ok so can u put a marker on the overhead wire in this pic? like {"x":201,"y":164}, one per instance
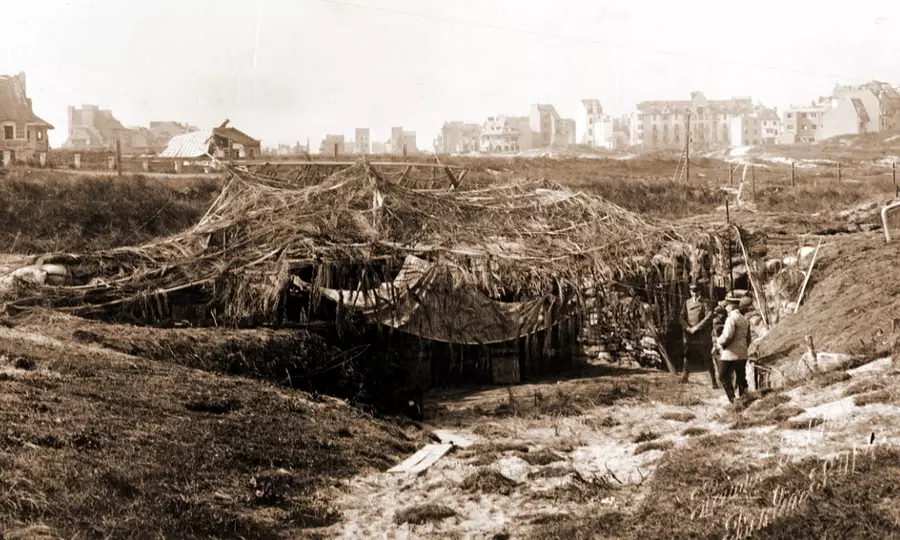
{"x":592,"y":41}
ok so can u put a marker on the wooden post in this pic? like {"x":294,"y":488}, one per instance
{"x":77,"y":159}
{"x":806,"y":278}
{"x":813,"y":355}
{"x":840,"y":171}
{"x":894,"y":177}
{"x":727,"y":212}
{"x":687,"y":152}
{"x":793,"y":177}
{"x":753,"y":181}
{"x":334,"y":151}
{"x":119,"y":158}
{"x":730,"y":175}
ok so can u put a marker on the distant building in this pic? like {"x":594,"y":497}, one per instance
{"x":548,"y":129}
{"x":458,"y":138}
{"x":801,"y":123}
{"x":160,"y":133}
{"x":868,"y":108}
{"x":363,"y":143}
{"x":396,"y":140}
{"x":380,"y":148}
{"x":24,"y":133}
{"x":330,"y":142}
{"x":223,"y":142}
{"x":599,"y":128}
{"x":663,"y":124}
{"x":770,"y":125}
{"x":91,"y":127}
{"x":506,"y":134}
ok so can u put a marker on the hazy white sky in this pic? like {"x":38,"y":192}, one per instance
{"x":285,"y":70}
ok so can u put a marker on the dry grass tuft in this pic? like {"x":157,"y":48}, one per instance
{"x":555,"y":471}
{"x":694,"y":432}
{"x":678,"y":416}
{"x":544,"y":456}
{"x":426,"y":513}
{"x":806,"y":423}
{"x":863,"y":387}
{"x":830,"y":378}
{"x":645,"y":436}
{"x":579,"y":489}
{"x":653,"y":445}
{"x":770,"y":402}
{"x":878,"y":396}
{"x":488,"y":481}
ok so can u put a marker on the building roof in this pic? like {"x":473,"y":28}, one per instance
{"x":235,"y":135}
{"x":731,"y":106}
{"x":860,"y":110}
{"x":189,"y":145}
{"x":14,"y":103}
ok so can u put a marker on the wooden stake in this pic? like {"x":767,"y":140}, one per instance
{"x":808,"y":273}
{"x":840,"y":171}
{"x":894,"y":177}
{"x":793,"y":177}
{"x":119,"y":158}
{"x":813,"y":355}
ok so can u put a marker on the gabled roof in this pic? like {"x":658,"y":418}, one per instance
{"x":235,"y":135}
{"x":14,"y":104}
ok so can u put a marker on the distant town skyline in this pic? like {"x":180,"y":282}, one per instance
{"x":288,"y":70}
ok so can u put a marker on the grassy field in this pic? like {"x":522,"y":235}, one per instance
{"x":47,"y":211}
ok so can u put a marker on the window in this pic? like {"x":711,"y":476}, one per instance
{"x":40,"y":135}
{"x":9,"y":132}
{"x":790,"y":115}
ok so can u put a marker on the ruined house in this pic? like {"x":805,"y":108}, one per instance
{"x":24,"y":133}
{"x":223,"y":142}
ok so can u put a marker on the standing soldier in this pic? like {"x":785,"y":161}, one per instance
{"x":695,"y":317}
{"x":733,"y":345}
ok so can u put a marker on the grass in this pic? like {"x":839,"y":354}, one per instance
{"x":425,"y":513}
{"x":653,"y":445}
{"x":806,"y":423}
{"x":830,"y":378}
{"x":646,"y":436}
{"x":678,"y":416}
{"x":50,"y":211}
{"x":544,"y":456}
{"x":770,"y":402}
{"x":863,"y":387}
{"x":878,"y":396}
{"x":488,"y":481}
{"x":101,"y":445}
{"x":694,"y":431}
{"x":555,"y":471}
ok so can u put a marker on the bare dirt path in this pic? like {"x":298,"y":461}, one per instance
{"x":588,"y":446}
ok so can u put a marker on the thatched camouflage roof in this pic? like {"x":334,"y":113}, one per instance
{"x":526,"y":239}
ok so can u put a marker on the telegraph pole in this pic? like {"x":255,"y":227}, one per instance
{"x":687,"y":151}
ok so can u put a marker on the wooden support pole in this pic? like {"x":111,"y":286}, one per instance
{"x":730,"y":175}
{"x":119,"y":158}
{"x":808,"y":273}
{"x":727,"y":212}
{"x":840,"y":171}
{"x":894,"y":177}
{"x":793,"y":176}
{"x":687,"y":152}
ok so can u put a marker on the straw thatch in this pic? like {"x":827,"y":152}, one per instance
{"x":525,"y":240}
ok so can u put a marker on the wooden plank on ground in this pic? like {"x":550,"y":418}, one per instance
{"x":421,"y":460}
{"x":448,"y":437}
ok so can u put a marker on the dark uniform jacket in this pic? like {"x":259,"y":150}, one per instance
{"x":692,"y":313}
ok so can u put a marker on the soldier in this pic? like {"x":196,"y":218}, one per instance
{"x":695,"y":318}
{"x":733,"y":346}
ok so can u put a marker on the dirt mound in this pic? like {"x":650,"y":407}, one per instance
{"x":850,"y":303}
{"x":101,"y":444}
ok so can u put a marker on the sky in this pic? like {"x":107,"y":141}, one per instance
{"x":287,"y":70}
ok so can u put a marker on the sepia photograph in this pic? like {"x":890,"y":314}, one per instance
{"x":433,"y":269}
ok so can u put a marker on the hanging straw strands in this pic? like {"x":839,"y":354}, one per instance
{"x":528,"y":238}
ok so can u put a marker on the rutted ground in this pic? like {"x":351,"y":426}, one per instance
{"x":587,"y":448}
